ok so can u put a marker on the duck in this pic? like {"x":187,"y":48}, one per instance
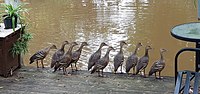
{"x":119,"y":58}
{"x":76,"y":54}
{"x":95,"y":56}
{"x":102,"y":63}
{"x":58,"y":54}
{"x":65,"y":60}
{"x":40,"y":55}
{"x":132,"y":60}
{"x":143,"y":61}
{"x":158,"y":65}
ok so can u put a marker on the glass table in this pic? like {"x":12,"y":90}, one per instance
{"x":189,"y":32}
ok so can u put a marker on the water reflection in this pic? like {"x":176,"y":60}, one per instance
{"x":110,"y":21}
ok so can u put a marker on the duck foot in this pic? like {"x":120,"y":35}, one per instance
{"x":159,"y":78}
{"x":102,"y":76}
{"x":133,"y":74}
{"x":144,"y":76}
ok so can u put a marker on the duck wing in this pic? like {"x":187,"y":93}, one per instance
{"x":56,"y":57}
{"x":38,"y":56}
{"x":75,"y":55}
{"x":118,"y":60}
{"x":157,"y":66}
{"x":131,"y":62}
{"x":142,"y":63}
{"x":101,"y":64}
{"x":93,"y":59}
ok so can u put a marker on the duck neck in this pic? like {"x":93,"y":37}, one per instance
{"x":107,"y":54}
{"x":100,"y":48}
{"x":70,"y":49}
{"x":121,"y":50}
{"x":135,"y":52}
{"x":47,"y":49}
{"x":80,"y":48}
{"x":63,"y":47}
{"x":146,"y":52}
{"x":161,"y":56}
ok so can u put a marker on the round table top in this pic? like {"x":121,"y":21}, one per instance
{"x":187,"y":32}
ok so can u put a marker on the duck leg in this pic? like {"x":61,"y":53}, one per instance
{"x":144,"y":73}
{"x":133,"y":70}
{"x":63,"y":70}
{"x":72,"y":67}
{"x":159,"y":75}
{"x":37,"y":63}
{"x":99,"y":74}
{"x":42,"y":63}
{"x":76,"y":67}
{"x":155,"y":75}
{"x":102,"y":73}
{"x":121,"y":69}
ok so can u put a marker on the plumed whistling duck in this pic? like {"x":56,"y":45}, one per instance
{"x":40,"y":55}
{"x":119,"y":58}
{"x":102,"y":63}
{"x":95,"y":56}
{"x":158,"y":65}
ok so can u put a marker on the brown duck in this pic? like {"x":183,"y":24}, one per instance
{"x":159,"y":65}
{"x":143,"y":61}
{"x":102,"y":63}
{"x":132,"y":60}
{"x":58,"y":54}
{"x":65,"y":60}
{"x":76,"y":54}
{"x":95,"y":56}
{"x":40,"y":55}
{"x":119,"y":58}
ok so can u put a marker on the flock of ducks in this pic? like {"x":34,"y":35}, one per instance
{"x":62,"y":60}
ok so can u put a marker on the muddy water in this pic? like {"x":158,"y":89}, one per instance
{"x":110,"y":21}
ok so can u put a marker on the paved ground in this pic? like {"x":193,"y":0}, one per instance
{"x":29,"y":80}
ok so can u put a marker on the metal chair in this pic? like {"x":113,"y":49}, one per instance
{"x":180,"y":87}
{"x":190,"y":75}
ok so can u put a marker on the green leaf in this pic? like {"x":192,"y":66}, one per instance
{"x":13,"y":23}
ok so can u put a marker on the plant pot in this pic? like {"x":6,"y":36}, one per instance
{"x":8,"y":22}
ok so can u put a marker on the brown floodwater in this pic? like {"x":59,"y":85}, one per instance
{"x":110,"y":21}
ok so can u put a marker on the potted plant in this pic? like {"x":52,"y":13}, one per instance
{"x":11,"y":14}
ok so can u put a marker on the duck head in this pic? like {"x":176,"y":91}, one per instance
{"x":65,"y":42}
{"x":122,"y":43}
{"x":149,"y":47}
{"x":110,"y":48}
{"x":162,"y":50}
{"x":53,"y":47}
{"x":103,"y":44}
{"x":139,"y":44}
{"x":84,"y":44}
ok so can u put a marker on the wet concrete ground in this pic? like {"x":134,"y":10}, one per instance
{"x":29,"y":80}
